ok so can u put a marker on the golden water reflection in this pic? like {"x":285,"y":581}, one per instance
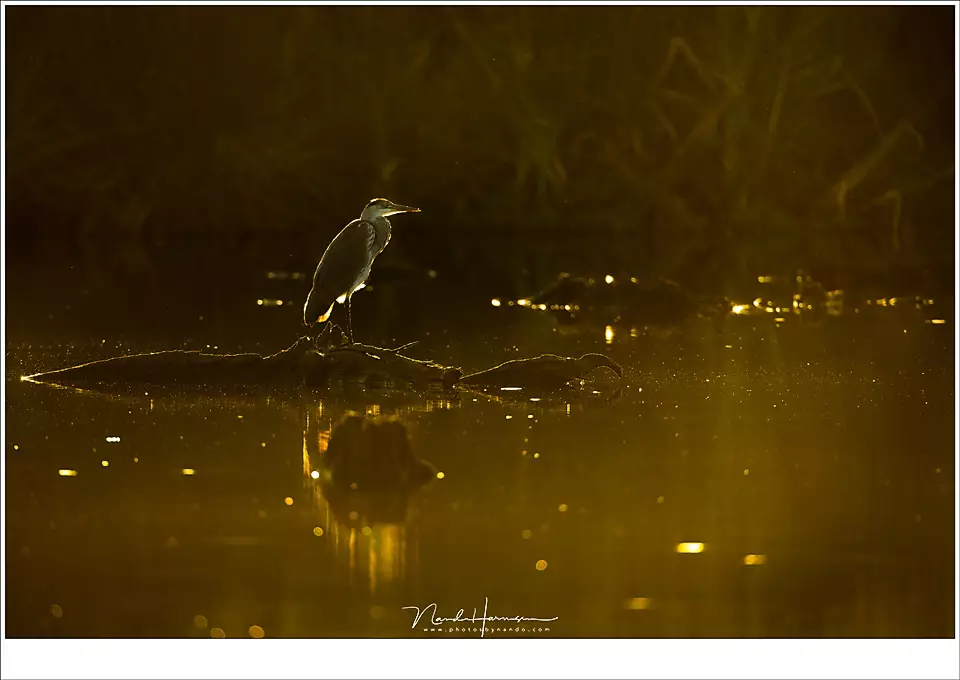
{"x":367,"y":530}
{"x":745,"y":483}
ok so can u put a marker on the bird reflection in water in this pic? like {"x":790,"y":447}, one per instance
{"x":363,"y":473}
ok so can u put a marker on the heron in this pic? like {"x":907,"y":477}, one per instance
{"x":346,"y":263}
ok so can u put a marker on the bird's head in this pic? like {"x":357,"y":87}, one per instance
{"x":382,"y":207}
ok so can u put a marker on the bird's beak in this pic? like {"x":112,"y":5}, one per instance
{"x":402,"y":209}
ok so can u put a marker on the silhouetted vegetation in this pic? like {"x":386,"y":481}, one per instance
{"x":679,"y":141}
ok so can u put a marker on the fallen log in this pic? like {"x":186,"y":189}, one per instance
{"x":300,"y":364}
{"x":308,"y":363}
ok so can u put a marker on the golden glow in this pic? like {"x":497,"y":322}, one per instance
{"x":769,"y":310}
{"x":562,"y":507}
{"x":780,"y":319}
{"x":57,"y":611}
{"x":740,"y":309}
{"x":508,"y":416}
{"x":366,"y":531}
{"x":314,"y":474}
{"x":765,"y":279}
{"x":541,"y":565}
{"x":288,"y":500}
{"x":637,"y":603}
{"x":256,"y":632}
{"x":526,"y":533}
{"x":753,"y":560}
{"x":317,"y":531}
{"x":690,"y":548}
{"x":67,"y":473}
{"x":608,"y":278}
{"x":746,"y":472}
{"x":105,"y":463}
{"x":353,"y":515}
{"x":113,"y":440}
{"x":608,"y":334}
{"x":188,"y":471}
{"x":938,"y":322}
{"x":495,"y":302}
{"x":16,"y":448}
{"x":758,"y":303}
{"x":440,"y":475}
{"x":200,"y":621}
{"x":510,"y":389}
{"x":217,"y":633}
{"x":536,"y":455}
{"x":342,"y":298}
{"x":352,"y":551}
{"x":523,"y":302}
{"x":372,"y":565}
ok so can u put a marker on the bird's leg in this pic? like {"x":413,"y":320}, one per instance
{"x":349,"y":320}
{"x":322,"y":339}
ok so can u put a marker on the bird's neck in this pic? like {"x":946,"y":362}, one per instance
{"x":382,"y":229}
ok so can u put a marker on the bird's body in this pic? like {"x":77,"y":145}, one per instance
{"x":353,"y":250}
{"x":346,"y":263}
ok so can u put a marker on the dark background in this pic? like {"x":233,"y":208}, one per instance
{"x":705,"y":144}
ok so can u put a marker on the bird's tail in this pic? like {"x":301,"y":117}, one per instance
{"x":326,"y":315}
{"x":311,"y":311}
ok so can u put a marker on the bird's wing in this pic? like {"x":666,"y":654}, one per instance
{"x":339,"y":268}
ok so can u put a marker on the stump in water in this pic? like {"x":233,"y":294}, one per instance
{"x":378,"y":365}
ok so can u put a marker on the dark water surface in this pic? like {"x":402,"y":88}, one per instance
{"x":746,"y":478}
